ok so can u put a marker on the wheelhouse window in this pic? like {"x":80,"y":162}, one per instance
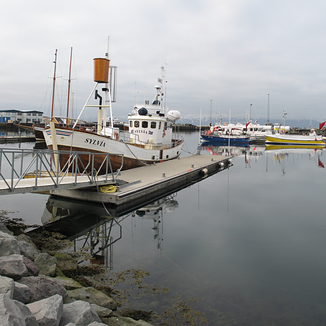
{"x":144,"y":124}
{"x":136,"y":124}
{"x":165,"y":125}
{"x":159,"y":126}
{"x":153,"y":124}
{"x":130,"y":124}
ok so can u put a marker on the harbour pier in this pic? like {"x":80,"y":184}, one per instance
{"x":21,"y":173}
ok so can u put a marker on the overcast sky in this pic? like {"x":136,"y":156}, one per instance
{"x":231,"y":53}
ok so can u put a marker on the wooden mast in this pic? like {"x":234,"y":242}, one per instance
{"x":55,"y":67}
{"x":69,"y":81}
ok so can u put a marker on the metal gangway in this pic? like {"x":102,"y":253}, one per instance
{"x":38,"y":170}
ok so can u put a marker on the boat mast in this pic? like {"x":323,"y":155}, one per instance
{"x":55,"y":67}
{"x":69,"y":81}
{"x":210,"y":115}
{"x":107,"y":92}
{"x":163,"y":90}
{"x":267,"y":108}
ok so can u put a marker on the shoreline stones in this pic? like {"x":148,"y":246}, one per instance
{"x":32,"y":295}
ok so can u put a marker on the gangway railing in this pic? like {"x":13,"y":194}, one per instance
{"x":17,"y":165}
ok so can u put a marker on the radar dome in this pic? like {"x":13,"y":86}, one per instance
{"x":173,"y":115}
{"x":142,"y":111}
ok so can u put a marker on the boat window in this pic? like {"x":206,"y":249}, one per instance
{"x":130,"y":123}
{"x":136,"y":124}
{"x":159,"y":126}
{"x":144,"y":124}
{"x":153,"y":124}
{"x":165,"y":125}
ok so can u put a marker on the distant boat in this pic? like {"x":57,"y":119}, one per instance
{"x":233,"y":140}
{"x":290,"y":140}
{"x":255,"y":131}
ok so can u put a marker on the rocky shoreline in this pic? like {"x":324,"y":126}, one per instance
{"x":35,"y":291}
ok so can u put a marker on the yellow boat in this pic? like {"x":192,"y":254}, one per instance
{"x":295,"y":140}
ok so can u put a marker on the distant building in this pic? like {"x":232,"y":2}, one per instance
{"x":21,"y":116}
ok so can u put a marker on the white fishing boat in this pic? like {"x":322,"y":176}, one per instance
{"x":149,"y":138}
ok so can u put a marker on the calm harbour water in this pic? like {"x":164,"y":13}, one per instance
{"x":247,"y":242}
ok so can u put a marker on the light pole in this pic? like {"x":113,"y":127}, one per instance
{"x":250,"y":112}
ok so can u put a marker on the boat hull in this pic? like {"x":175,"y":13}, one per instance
{"x":120,"y":152}
{"x":244,"y":141}
{"x":290,"y":140}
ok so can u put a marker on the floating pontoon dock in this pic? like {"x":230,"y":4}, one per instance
{"x":152,"y":180}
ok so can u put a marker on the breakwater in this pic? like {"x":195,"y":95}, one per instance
{"x":35,"y":291}
{"x":188,"y":127}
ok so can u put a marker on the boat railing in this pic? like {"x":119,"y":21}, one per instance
{"x":19,"y":164}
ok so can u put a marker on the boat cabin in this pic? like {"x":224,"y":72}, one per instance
{"x":149,"y":125}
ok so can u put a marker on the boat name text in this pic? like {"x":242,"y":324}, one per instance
{"x":95,"y":142}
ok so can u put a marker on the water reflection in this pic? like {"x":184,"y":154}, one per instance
{"x":94,"y":228}
{"x":253,"y":152}
{"x":155,"y":213}
{"x":280,"y":154}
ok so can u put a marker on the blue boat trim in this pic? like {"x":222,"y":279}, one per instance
{"x":60,"y":133}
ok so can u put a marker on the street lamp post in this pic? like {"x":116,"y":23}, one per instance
{"x":250,"y":112}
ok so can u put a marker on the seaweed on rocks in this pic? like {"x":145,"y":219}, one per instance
{"x":14,"y":224}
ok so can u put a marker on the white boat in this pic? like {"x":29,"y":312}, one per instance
{"x":255,"y":131}
{"x":148,"y":140}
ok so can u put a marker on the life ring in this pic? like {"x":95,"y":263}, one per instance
{"x":108,"y":188}
{"x":163,"y":133}
{"x":282,"y":132}
{"x":116,"y":135}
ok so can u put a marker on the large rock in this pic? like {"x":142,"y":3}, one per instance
{"x":92,"y":295}
{"x":66,"y":262}
{"x":42,"y":287}
{"x":13,"y":312}
{"x":102,"y":311}
{"x":48,"y":311}
{"x":32,"y":268}
{"x":27,"y":247}
{"x":46,"y":263}
{"x":13,"y":266}
{"x":79,"y":313}
{"x":22,"y":292}
{"x":8,"y":245}
{"x":95,"y":323}
{"x":7,"y":286}
{"x":68,"y":283}
{"x":29,"y":318}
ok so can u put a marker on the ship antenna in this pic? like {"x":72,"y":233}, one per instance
{"x":107,"y":51}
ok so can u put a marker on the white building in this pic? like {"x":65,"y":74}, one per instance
{"x":22,"y":116}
